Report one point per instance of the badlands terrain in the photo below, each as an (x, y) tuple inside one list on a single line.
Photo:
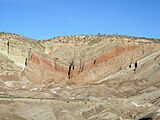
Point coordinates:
[(85, 77)]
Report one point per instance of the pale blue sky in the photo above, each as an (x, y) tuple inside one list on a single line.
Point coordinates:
[(42, 19)]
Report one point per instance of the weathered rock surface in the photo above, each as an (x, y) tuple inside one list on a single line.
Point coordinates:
[(79, 78)]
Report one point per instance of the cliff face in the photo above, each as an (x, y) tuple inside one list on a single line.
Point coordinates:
[(79, 58), (84, 67)]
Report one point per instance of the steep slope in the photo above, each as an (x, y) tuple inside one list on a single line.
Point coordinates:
[(107, 76)]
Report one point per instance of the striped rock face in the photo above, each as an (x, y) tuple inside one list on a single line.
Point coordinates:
[(89, 77)]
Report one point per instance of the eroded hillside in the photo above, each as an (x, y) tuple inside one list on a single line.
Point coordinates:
[(79, 77)]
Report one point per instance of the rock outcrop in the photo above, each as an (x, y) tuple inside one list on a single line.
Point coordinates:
[(108, 69)]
